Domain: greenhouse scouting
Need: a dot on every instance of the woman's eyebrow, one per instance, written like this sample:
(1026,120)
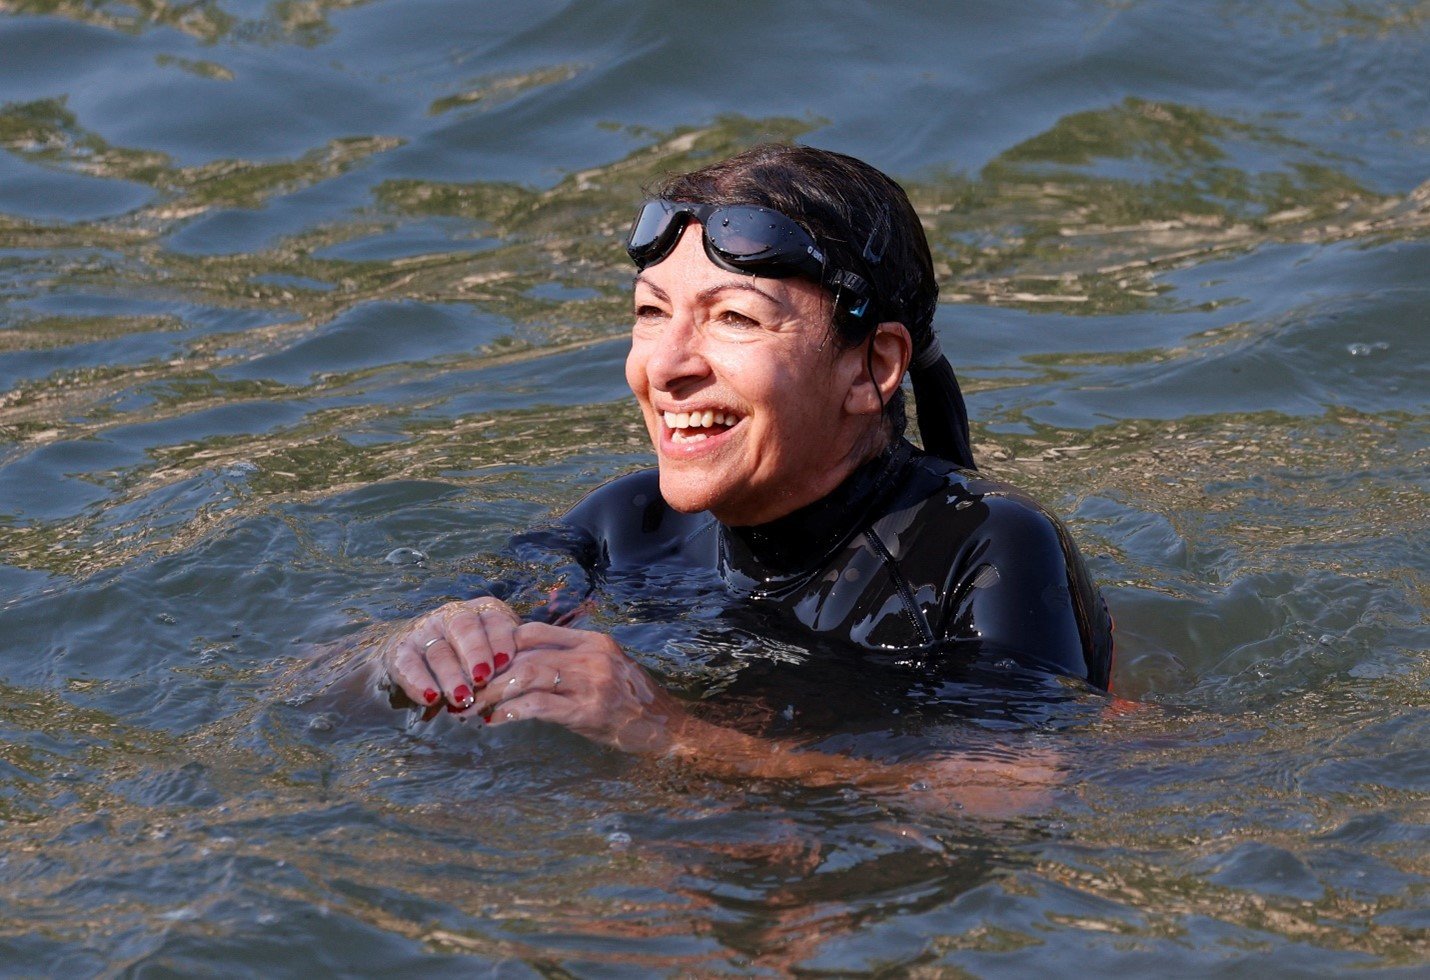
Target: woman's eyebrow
(706,295)
(710,293)
(640,278)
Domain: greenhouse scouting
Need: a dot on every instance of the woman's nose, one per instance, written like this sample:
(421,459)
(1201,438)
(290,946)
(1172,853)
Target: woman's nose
(677,360)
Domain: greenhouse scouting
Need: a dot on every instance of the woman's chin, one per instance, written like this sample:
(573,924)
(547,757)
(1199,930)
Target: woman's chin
(685,499)
(690,493)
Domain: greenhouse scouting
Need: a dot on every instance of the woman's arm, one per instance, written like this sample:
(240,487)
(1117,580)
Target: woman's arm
(585,682)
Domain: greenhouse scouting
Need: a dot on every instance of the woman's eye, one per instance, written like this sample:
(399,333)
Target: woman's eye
(647,312)
(737,319)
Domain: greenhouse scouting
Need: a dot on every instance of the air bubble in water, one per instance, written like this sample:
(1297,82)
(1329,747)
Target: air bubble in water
(1365,350)
(405,556)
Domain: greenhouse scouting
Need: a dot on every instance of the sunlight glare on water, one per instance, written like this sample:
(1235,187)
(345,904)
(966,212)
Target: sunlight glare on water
(306,308)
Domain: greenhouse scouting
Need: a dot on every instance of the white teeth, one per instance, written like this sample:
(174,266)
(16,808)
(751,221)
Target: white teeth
(697,420)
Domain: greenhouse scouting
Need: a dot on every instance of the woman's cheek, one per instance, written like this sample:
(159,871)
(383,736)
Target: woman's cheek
(635,370)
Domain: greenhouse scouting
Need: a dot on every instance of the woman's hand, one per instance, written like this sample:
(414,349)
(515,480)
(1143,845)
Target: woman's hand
(583,680)
(451,652)
(480,658)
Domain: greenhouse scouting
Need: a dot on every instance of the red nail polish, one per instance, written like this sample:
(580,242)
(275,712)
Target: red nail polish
(481,672)
(429,695)
(463,694)
(501,660)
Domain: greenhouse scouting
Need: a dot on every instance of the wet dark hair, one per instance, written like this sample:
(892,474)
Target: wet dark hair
(864,223)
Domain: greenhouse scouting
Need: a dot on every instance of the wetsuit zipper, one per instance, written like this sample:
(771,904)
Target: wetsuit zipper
(905,591)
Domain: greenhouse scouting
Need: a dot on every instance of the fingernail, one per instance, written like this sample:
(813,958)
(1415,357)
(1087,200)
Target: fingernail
(463,694)
(429,695)
(481,672)
(501,660)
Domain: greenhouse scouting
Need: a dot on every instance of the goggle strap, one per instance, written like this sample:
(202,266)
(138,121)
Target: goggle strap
(851,281)
(856,284)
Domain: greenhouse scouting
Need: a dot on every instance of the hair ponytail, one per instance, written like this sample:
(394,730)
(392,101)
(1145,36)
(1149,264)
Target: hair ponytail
(943,418)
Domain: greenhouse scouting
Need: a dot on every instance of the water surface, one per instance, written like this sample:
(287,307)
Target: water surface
(287,287)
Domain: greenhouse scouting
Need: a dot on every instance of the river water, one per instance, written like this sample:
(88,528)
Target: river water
(306,307)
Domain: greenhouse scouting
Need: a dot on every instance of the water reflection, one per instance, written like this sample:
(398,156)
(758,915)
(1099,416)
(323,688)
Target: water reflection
(301,22)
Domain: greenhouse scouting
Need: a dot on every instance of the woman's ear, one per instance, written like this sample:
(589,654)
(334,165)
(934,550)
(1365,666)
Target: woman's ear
(886,357)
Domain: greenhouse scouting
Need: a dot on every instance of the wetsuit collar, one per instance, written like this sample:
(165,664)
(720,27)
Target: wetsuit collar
(806,538)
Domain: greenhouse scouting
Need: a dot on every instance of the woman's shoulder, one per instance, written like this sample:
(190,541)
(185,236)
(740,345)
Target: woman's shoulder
(961,501)
(630,518)
(961,520)
(1029,588)
(616,498)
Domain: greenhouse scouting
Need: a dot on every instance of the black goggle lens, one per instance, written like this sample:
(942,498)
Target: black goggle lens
(740,234)
(743,235)
(653,233)
(740,237)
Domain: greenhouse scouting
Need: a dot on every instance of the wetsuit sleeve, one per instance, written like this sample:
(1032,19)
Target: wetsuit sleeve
(556,565)
(1020,589)
(573,554)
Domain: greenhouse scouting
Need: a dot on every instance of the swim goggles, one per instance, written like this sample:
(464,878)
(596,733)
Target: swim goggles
(742,238)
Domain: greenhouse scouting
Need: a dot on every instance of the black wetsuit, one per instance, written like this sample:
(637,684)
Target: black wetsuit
(910,560)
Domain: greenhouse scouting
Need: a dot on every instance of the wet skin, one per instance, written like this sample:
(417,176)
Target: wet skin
(708,339)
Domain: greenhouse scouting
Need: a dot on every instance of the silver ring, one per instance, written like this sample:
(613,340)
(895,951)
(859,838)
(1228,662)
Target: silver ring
(428,645)
(556,683)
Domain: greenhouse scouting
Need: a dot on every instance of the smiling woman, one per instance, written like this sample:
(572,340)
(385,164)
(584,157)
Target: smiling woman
(780,299)
(797,409)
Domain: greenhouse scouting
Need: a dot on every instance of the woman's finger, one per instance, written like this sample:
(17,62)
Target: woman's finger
(480,631)
(407,668)
(543,635)
(535,705)
(527,675)
(500,624)
(451,674)
(465,632)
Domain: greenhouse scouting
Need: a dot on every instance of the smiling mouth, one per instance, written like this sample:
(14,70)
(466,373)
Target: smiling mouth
(698,426)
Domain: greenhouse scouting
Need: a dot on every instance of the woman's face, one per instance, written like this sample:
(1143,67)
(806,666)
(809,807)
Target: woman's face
(747,405)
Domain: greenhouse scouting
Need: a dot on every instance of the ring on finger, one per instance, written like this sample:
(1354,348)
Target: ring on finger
(428,645)
(557,682)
